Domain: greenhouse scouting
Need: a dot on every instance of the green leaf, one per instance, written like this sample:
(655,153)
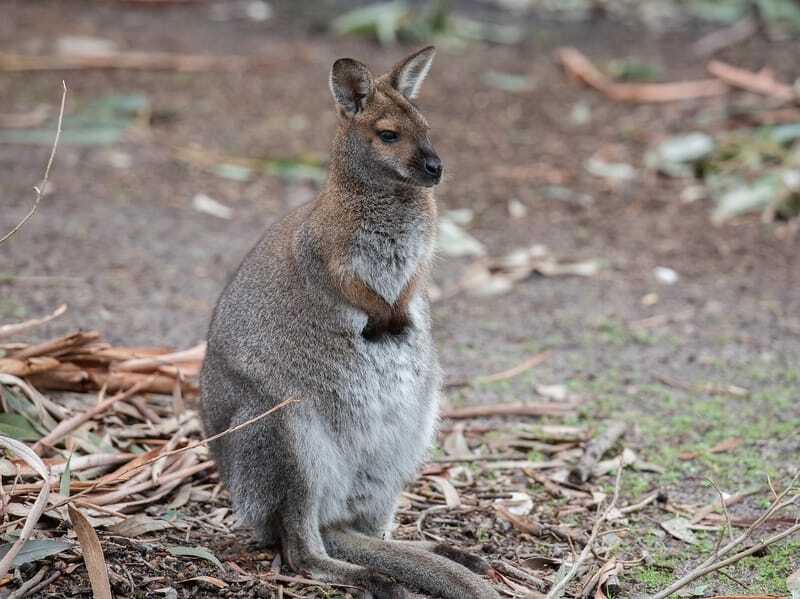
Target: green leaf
(17,427)
(63,488)
(296,170)
(199,552)
(509,82)
(36,549)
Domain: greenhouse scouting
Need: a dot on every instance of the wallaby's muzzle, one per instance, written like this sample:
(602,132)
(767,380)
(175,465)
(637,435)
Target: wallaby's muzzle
(432,168)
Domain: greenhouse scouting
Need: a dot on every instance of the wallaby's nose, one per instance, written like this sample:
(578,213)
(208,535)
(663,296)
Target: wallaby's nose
(433,166)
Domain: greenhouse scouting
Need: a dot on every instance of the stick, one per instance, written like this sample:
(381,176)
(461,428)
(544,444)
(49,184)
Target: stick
(763,82)
(713,562)
(39,189)
(587,549)
(594,451)
(56,345)
(65,427)
(534,360)
(539,530)
(194,354)
(702,571)
(509,409)
(13,329)
(582,68)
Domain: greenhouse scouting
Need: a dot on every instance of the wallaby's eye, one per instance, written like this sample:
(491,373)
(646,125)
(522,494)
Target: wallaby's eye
(388,136)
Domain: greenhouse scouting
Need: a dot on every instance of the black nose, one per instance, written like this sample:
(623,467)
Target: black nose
(433,166)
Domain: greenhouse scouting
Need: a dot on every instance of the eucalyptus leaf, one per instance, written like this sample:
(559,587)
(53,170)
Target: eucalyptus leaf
(198,552)
(17,427)
(37,549)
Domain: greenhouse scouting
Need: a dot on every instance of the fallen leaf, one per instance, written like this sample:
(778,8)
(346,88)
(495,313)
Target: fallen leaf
(617,171)
(727,445)
(455,444)
(138,525)
(447,489)
(508,82)
(37,549)
(92,554)
(17,427)
(665,275)
(220,584)
(63,488)
(454,241)
(519,504)
(198,552)
(208,205)
(679,528)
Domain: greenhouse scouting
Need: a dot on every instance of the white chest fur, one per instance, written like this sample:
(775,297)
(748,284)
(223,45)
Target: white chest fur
(386,256)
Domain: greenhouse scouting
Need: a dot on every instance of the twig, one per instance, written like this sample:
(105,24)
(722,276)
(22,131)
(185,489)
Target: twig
(702,571)
(54,346)
(40,189)
(582,68)
(512,372)
(538,529)
(194,354)
(594,451)
(29,584)
(715,561)
(763,82)
(587,549)
(13,329)
(65,427)
(509,409)
(36,588)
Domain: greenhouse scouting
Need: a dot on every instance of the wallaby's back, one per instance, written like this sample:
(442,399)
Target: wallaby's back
(330,309)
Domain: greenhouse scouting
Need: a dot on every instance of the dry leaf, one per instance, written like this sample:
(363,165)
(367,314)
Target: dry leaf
(220,584)
(92,554)
(519,504)
(679,528)
(447,489)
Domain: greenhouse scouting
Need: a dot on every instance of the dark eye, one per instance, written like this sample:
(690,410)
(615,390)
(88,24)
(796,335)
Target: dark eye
(388,136)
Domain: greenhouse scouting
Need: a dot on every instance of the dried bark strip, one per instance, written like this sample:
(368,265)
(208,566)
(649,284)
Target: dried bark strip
(595,451)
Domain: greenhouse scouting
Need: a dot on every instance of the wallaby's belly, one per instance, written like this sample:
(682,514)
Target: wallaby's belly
(392,394)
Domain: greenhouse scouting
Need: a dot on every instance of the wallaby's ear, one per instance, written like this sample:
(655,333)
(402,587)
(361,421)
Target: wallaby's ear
(407,75)
(351,85)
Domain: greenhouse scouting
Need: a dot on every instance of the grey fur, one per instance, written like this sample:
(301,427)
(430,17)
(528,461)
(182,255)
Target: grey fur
(322,477)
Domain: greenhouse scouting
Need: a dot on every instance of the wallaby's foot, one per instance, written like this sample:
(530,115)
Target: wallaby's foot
(379,586)
(469,561)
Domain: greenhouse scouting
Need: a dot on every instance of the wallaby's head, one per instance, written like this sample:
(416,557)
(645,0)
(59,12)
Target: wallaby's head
(381,132)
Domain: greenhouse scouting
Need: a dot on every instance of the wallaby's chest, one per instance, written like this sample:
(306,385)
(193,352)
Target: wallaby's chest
(386,255)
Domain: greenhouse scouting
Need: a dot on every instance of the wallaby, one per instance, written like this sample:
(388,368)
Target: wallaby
(330,309)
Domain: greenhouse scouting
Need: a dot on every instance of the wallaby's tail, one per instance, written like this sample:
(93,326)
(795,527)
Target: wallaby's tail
(409,564)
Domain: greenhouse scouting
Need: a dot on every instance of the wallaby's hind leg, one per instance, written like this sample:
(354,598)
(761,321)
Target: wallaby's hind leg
(471,562)
(304,551)
(417,566)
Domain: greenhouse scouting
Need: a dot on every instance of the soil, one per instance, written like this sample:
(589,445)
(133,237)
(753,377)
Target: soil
(118,240)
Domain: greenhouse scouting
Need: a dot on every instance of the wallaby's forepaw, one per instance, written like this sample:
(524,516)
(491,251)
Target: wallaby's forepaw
(381,587)
(469,561)
(374,331)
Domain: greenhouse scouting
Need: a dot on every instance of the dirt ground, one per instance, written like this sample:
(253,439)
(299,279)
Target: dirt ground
(119,241)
